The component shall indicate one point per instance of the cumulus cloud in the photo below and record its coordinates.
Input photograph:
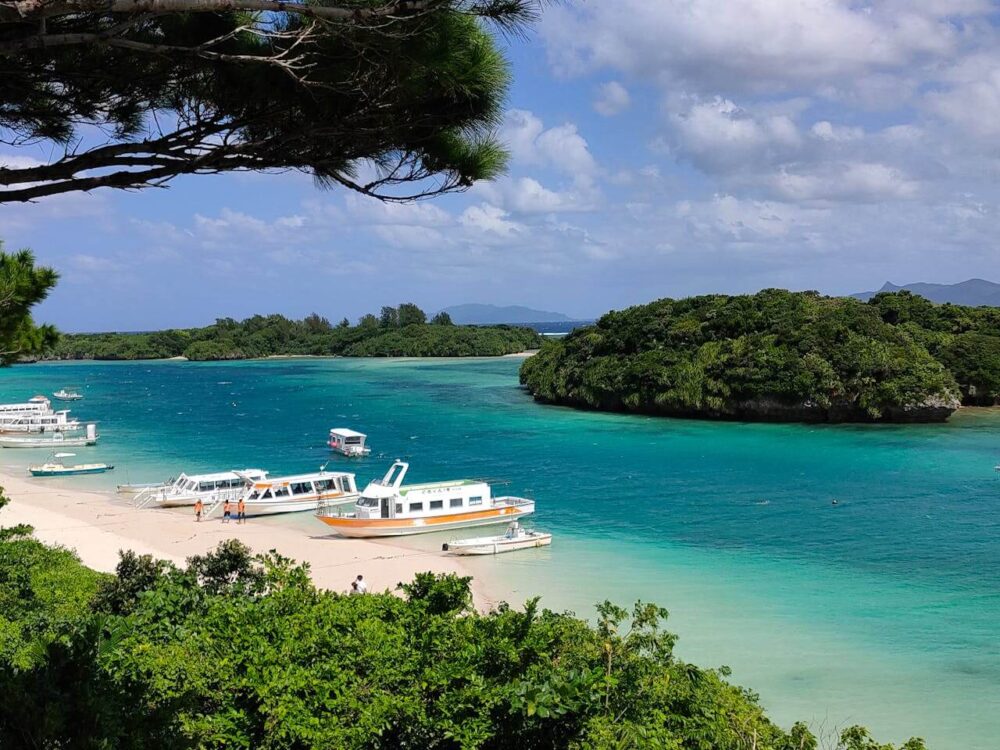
(612, 98)
(561, 148)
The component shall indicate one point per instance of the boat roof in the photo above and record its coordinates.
(439, 485)
(270, 481)
(345, 432)
(221, 475)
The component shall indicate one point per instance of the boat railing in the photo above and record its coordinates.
(514, 502)
(147, 495)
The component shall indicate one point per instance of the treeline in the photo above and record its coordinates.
(242, 651)
(778, 355)
(396, 332)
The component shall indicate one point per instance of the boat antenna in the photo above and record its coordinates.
(322, 467)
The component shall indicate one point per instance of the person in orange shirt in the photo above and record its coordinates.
(199, 506)
(227, 512)
(241, 511)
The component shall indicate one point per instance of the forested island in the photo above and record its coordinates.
(778, 356)
(402, 331)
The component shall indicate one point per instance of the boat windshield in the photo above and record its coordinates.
(368, 502)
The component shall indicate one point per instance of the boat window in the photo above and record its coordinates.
(399, 508)
(437, 504)
(301, 488)
(368, 502)
(265, 495)
(281, 492)
(191, 486)
(476, 500)
(206, 487)
(455, 502)
(416, 507)
(352, 441)
(345, 484)
(254, 495)
(325, 485)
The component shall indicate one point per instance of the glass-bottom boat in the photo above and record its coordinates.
(388, 508)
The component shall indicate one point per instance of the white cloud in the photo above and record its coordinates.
(561, 148)
(612, 98)
(490, 219)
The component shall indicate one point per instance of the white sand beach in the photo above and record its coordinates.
(97, 525)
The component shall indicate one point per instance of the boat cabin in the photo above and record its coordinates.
(38, 422)
(35, 405)
(220, 481)
(302, 485)
(348, 442)
(388, 498)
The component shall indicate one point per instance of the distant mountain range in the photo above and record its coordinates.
(475, 314)
(974, 292)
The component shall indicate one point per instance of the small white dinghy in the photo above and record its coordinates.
(514, 538)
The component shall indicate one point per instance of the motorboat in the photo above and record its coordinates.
(295, 494)
(187, 489)
(387, 507)
(67, 394)
(55, 467)
(348, 442)
(58, 421)
(53, 440)
(516, 537)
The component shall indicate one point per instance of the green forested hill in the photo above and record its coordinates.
(778, 355)
(397, 332)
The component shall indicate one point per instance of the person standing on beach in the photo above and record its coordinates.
(227, 512)
(241, 511)
(199, 506)
(361, 587)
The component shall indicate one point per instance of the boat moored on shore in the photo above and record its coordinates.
(187, 489)
(33, 422)
(34, 405)
(295, 494)
(388, 508)
(514, 538)
(55, 467)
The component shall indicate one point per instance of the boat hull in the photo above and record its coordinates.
(496, 545)
(25, 442)
(275, 507)
(362, 528)
(69, 471)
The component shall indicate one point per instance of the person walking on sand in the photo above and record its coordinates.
(199, 506)
(227, 512)
(241, 511)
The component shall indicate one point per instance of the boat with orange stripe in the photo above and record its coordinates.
(388, 508)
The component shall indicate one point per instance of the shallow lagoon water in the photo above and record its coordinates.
(883, 609)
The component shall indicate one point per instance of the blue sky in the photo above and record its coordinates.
(659, 149)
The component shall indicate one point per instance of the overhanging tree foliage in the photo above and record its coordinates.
(21, 287)
(393, 98)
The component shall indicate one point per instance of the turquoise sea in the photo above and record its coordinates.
(882, 609)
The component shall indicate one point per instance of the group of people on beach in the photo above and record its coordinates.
(227, 511)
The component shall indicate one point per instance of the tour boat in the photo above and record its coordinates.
(53, 440)
(67, 394)
(514, 538)
(35, 405)
(26, 423)
(348, 442)
(187, 489)
(294, 494)
(387, 508)
(55, 467)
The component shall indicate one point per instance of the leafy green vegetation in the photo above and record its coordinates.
(777, 355)
(22, 286)
(242, 651)
(398, 332)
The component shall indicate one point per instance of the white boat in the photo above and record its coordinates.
(35, 405)
(348, 442)
(67, 394)
(135, 489)
(187, 489)
(55, 467)
(514, 538)
(388, 508)
(53, 440)
(295, 494)
(28, 423)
